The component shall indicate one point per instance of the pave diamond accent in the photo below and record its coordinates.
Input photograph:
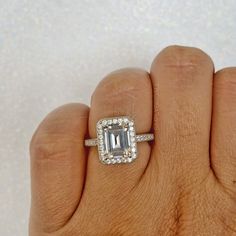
(116, 140)
(91, 142)
(144, 137)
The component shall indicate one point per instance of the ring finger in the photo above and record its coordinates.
(125, 92)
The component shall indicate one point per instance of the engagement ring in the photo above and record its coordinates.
(117, 140)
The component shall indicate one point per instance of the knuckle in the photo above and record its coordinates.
(227, 73)
(226, 79)
(113, 84)
(186, 68)
(225, 85)
(45, 146)
(186, 58)
(58, 132)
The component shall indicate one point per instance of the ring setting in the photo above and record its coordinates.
(117, 140)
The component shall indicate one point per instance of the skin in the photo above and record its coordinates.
(184, 183)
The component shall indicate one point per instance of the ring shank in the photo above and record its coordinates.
(139, 138)
(144, 137)
(90, 142)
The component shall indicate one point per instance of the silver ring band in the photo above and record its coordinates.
(139, 138)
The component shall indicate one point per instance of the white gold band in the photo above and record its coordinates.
(139, 138)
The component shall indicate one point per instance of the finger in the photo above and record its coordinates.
(123, 93)
(182, 82)
(58, 163)
(223, 151)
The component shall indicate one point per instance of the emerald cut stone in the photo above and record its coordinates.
(116, 142)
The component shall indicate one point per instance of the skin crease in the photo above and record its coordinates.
(184, 183)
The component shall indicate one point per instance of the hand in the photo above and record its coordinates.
(184, 183)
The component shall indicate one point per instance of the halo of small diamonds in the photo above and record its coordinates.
(116, 140)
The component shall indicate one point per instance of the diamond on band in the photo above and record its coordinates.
(144, 137)
(117, 140)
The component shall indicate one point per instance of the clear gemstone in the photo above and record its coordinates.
(129, 159)
(99, 131)
(132, 139)
(134, 156)
(133, 145)
(120, 120)
(117, 140)
(126, 120)
(104, 122)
